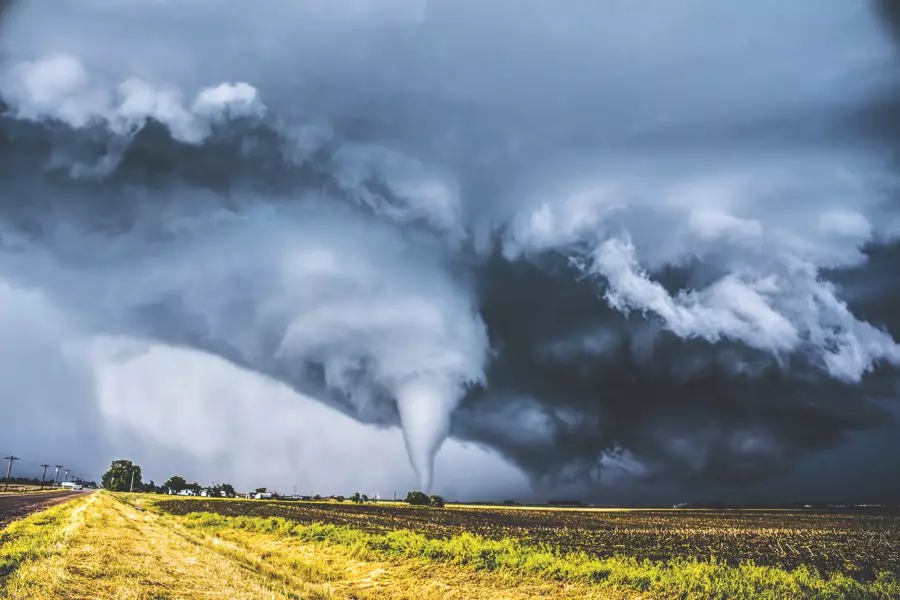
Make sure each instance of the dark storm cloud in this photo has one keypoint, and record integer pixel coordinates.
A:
(640, 257)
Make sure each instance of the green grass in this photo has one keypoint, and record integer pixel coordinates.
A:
(682, 578)
(33, 537)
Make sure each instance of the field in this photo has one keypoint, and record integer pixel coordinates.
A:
(858, 543)
(141, 546)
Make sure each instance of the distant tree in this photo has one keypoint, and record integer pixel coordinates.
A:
(176, 484)
(317, 497)
(365, 498)
(260, 490)
(436, 501)
(119, 476)
(228, 490)
(417, 498)
(194, 488)
(339, 498)
(356, 497)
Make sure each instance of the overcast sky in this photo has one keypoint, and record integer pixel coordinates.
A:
(630, 252)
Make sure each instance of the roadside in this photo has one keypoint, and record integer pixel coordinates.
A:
(29, 489)
(111, 549)
(18, 506)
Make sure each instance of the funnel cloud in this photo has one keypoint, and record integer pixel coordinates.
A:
(638, 253)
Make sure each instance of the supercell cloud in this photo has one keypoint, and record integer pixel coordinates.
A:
(639, 252)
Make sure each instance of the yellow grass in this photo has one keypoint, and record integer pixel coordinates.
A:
(105, 548)
(28, 489)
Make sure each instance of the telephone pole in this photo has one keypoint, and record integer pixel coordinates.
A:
(56, 475)
(44, 475)
(131, 487)
(66, 478)
(10, 458)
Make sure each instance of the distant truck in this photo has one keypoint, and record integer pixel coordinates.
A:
(71, 485)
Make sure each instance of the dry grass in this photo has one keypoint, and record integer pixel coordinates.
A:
(121, 547)
(104, 548)
(114, 551)
(16, 489)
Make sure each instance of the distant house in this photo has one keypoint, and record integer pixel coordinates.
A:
(262, 495)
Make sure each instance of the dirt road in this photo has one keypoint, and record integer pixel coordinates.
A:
(16, 506)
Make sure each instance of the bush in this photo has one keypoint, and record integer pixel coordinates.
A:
(436, 501)
(417, 498)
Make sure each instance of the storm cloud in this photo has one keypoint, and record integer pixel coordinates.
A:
(634, 251)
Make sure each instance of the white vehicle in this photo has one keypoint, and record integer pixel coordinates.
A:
(71, 485)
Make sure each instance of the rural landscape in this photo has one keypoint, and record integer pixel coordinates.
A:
(449, 299)
(170, 543)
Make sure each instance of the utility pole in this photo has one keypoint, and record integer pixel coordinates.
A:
(66, 478)
(131, 487)
(44, 475)
(56, 475)
(10, 458)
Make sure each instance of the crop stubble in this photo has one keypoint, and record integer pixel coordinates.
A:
(860, 543)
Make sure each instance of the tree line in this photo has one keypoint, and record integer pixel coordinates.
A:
(124, 476)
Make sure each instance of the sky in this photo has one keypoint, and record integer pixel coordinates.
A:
(625, 252)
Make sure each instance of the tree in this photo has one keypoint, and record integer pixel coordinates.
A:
(119, 476)
(194, 488)
(365, 498)
(260, 490)
(339, 498)
(221, 490)
(175, 484)
(417, 498)
(436, 501)
(356, 497)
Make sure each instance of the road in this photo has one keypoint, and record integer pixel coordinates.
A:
(16, 506)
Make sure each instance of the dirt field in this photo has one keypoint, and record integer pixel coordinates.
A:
(857, 543)
(16, 506)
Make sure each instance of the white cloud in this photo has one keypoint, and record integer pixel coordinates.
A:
(59, 87)
(711, 225)
(845, 223)
(231, 99)
(777, 313)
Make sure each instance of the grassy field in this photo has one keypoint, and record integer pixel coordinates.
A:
(149, 547)
(860, 544)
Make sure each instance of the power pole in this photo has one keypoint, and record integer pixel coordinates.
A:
(10, 458)
(66, 478)
(56, 475)
(44, 475)
(131, 487)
